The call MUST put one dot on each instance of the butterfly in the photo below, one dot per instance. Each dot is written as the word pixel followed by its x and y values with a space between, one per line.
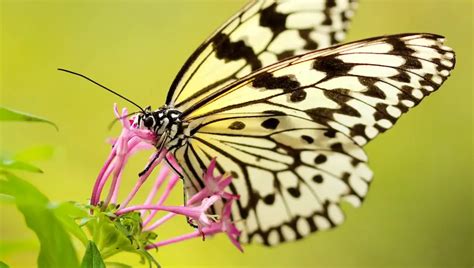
pixel 286 111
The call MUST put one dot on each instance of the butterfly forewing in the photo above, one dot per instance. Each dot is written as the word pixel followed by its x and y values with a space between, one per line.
pixel 291 133
pixel 359 89
pixel 262 33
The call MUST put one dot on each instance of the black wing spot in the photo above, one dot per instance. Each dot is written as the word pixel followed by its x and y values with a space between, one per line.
pixel 428 81
pixel 269 199
pixel 372 90
pixel 400 47
pixel 320 159
pixel 359 130
pixel 401 77
pixel 337 147
pixel 310 43
pixel 298 95
pixel 307 139
pixel 285 54
pixel 345 177
pixel 330 133
pixel 344 17
pixel 266 80
pixel 330 3
pixel 237 125
pixel 407 90
pixel 412 63
pixel 293 191
pixel 327 21
pixel 274 112
pixel 270 18
pixel 228 50
pixel 234 174
pixel 318 178
pixel 271 123
pixel 332 66
pixel 340 96
pixel 332 37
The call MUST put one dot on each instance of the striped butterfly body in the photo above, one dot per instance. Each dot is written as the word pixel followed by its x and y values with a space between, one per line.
pixel 287 114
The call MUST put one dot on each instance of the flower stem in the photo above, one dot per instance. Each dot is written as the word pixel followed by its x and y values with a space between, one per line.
pixel 164 172
pixel 156 158
pixel 160 221
pixel 176 209
pixel 116 178
pixel 95 197
pixel 172 182
pixel 197 197
pixel 197 233
pixel 125 150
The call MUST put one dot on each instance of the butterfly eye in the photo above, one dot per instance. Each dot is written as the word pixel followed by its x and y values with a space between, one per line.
pixel 149 122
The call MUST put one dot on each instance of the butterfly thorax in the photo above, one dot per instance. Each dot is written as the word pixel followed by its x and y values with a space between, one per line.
pixel 165 122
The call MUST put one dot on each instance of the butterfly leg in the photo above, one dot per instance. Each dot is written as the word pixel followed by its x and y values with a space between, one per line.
pixel 150 164
pixel 161 142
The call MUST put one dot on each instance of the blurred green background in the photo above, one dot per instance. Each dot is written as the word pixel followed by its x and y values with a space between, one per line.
pixel 419 212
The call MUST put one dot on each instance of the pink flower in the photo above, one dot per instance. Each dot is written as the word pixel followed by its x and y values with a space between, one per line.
pixel 130 141
pixel 224 224
pixel 134 139
pixel 197 213
pixel 214 185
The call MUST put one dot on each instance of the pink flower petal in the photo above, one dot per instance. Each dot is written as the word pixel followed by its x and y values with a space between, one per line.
pixel 134 139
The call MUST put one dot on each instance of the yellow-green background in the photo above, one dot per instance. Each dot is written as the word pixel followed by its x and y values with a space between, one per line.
pixel 419 211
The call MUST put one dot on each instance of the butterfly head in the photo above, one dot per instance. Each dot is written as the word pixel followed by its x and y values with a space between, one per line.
pixel 147 119
pixel 163 120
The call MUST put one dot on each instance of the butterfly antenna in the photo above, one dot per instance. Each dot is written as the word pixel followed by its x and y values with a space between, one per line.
pixel 102 86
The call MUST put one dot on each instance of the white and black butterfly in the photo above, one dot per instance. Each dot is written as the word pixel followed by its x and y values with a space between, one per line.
pixel 289 121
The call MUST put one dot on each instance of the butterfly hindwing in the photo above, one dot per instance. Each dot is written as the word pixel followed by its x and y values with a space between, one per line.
pixel 291 175
pixel 291 133
pixel 262 33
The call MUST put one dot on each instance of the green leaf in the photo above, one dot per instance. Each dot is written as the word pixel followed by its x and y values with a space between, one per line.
pixel 11 115
pixel 92 258
pixel 3 265
pixel 20 161
pixel 56 249
pixel 42 152
pixel 7 163
pixel 117 234
pixel 67 213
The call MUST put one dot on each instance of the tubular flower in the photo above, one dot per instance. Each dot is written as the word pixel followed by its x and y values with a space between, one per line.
pixel 135 225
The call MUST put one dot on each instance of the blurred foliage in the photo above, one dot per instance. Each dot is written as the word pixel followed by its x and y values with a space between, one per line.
pixel 50 222
pixel 10 115
pixel 56 247
pixel 67 211
pixel 11 163
pixel 20 161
